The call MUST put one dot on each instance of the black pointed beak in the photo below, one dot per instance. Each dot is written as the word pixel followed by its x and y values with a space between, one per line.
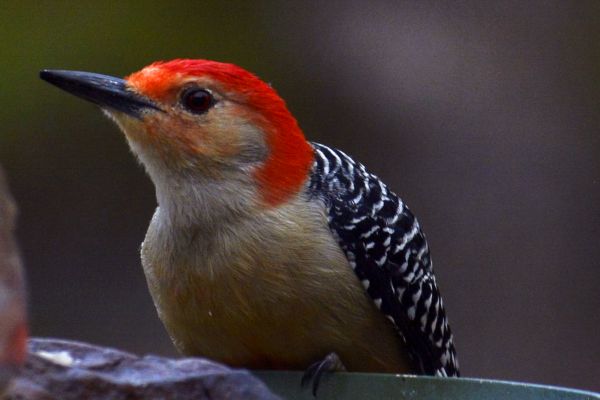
pixel 103 90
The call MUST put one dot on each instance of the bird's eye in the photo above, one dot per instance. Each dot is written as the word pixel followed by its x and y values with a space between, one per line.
pixel 197 101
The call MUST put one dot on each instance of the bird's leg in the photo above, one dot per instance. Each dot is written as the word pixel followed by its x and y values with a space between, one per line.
pixel 314 372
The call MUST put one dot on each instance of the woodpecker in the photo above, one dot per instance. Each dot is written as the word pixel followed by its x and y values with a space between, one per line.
pixel 266 250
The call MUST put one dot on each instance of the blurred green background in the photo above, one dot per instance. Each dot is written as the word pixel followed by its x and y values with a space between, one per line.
pixel 482 115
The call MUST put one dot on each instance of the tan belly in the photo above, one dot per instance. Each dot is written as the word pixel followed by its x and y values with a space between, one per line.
pixel 282 304
pixel 281 321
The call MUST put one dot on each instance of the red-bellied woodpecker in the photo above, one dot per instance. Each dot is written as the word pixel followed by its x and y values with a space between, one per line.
pixel 266 250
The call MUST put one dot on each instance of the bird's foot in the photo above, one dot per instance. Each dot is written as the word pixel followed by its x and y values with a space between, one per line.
pixel 313 374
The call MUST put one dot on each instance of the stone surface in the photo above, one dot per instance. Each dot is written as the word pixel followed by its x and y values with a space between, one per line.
pixel 60 369
pixel 13 326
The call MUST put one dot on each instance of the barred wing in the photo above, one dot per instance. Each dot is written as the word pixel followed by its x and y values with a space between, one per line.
pixel 389 254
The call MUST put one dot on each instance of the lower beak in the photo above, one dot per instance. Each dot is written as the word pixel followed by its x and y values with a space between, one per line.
pixel 103 90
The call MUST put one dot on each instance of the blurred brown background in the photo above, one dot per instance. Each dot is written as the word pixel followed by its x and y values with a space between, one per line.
pixel 484 116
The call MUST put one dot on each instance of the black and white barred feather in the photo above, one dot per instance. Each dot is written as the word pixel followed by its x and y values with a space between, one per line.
pixel 388 252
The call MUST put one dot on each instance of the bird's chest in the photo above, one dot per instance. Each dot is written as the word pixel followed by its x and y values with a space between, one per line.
pixel 225 292
pixel 202 281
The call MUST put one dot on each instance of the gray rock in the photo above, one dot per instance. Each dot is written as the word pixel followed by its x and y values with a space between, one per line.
pixel 61 369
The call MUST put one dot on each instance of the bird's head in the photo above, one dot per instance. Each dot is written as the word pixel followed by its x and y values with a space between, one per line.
pixel 204 122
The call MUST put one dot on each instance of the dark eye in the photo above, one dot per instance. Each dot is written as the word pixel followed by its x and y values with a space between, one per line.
pixel 197 100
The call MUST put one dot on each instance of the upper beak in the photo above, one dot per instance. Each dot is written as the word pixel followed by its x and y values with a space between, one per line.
pixel 104 90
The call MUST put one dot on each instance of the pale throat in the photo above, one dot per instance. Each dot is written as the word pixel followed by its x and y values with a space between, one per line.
pixel 189 198
pixel 192 193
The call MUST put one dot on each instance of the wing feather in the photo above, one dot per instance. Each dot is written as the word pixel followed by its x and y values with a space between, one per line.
pixel 388 251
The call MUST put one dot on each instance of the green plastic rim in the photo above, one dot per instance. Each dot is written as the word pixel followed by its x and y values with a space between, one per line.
pixel 349 386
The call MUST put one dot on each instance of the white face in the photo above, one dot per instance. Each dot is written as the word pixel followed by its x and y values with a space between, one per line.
pixel 199 128
pixel 198 161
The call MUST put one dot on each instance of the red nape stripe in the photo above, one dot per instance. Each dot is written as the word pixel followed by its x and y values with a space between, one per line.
pixel 286 170
pixel 291 156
